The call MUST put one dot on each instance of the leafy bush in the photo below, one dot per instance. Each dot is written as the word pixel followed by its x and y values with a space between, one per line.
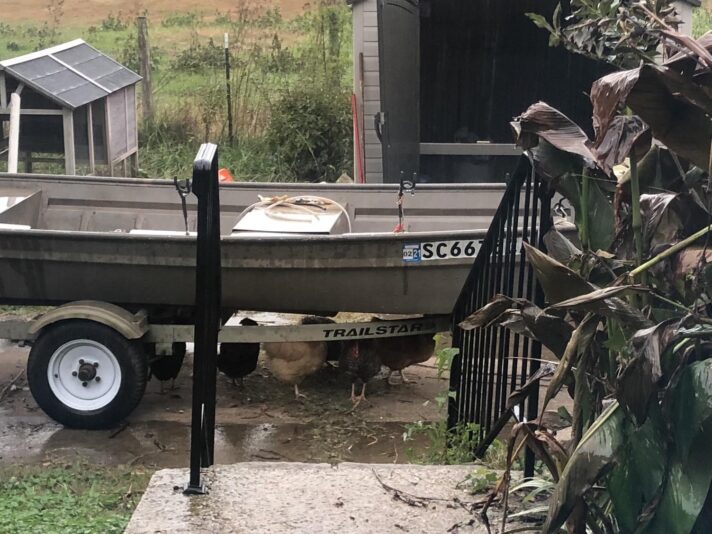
pixel 181 19
pixel 114 23
pixel 199 56
pixel 310 132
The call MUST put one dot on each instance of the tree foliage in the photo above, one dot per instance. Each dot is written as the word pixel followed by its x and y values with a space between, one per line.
pixel 632 300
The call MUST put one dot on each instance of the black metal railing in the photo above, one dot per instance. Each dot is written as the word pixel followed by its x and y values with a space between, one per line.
pixel 207 314
pixel 493 361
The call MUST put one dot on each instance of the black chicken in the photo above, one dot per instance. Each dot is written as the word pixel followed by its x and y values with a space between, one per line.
pixel 360 362
pixel 167 367
pixel 237 360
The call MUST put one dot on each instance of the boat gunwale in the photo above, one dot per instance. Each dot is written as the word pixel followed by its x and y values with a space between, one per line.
pixel 166 182
pixel 440 235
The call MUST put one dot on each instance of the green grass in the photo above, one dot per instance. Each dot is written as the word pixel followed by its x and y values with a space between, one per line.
pixel 701 21
pixel 271 56
pixel 72 499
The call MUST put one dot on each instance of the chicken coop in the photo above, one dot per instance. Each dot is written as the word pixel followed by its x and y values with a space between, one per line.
pixel 437 82
pixel 72 105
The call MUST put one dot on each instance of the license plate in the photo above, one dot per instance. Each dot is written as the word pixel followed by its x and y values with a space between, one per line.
pixel 449 250
pixel 440 250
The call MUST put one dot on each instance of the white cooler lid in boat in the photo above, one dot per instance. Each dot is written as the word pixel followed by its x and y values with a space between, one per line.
pixel 285 219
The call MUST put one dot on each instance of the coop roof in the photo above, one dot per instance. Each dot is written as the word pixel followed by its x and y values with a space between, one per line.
pixel 71 74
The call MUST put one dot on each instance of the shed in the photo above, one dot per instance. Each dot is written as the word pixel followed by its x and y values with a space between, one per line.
pixel 440 80
pixel 71 100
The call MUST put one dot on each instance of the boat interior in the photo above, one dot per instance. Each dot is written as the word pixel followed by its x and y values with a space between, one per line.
pixel 154 207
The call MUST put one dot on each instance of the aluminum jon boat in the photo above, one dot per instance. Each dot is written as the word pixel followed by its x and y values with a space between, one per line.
pixel 124 241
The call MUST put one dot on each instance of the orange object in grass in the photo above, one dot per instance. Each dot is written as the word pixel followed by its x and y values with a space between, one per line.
pixel 224 176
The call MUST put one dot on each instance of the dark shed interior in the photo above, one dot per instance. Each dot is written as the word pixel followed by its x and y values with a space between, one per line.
pixel 482 63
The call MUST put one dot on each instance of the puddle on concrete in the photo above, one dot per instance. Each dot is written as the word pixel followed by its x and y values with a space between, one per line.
pixel 166 444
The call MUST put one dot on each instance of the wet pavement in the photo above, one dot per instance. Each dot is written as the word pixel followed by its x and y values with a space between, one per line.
pixel 260 421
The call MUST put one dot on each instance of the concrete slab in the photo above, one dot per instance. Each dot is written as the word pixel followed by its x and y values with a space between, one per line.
pixel 313 498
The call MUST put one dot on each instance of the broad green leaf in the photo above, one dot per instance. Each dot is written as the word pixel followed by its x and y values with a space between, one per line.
pixel 686 490
pixel 601 218
pixel 690 407
pixel 636 478
pixel 690 472
pixel 591 460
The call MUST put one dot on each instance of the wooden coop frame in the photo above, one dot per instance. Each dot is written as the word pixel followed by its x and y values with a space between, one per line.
pixel 71 100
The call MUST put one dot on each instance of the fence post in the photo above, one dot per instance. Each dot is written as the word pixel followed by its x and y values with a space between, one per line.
pixel 207 314
pixel 144 54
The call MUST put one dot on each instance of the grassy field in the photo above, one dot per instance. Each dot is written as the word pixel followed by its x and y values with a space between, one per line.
pixel 276 47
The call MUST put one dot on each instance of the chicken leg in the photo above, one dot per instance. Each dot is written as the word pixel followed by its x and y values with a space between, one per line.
pixel 401 380
pixel 357 400
pixel 298 395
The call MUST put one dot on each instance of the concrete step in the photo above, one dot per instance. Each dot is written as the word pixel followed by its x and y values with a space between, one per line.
pixel 314 498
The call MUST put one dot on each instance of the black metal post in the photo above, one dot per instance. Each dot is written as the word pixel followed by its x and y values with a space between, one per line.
pixel 207 314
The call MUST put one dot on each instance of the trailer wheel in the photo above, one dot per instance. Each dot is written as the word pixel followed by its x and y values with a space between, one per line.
pixel 86 375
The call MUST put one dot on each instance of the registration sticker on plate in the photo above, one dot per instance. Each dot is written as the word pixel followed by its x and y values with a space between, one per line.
pixel 449 250
pixel 411 253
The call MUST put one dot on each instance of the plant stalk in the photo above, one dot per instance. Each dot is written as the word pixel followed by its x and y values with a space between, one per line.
pixel 585 193
pixel 670 252
pixel 637 223
pixel 635 208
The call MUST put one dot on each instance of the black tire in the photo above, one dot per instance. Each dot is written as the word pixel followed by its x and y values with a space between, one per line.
pixel 131 361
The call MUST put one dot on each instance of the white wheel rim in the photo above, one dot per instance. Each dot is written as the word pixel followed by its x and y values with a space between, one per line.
pixel 70 377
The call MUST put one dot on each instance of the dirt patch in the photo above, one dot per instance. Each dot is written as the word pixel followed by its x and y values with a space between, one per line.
pixel 80 12
pixel 259 421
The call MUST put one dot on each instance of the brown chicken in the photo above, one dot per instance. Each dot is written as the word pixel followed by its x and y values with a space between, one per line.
pixel 359 361
pixel 292 362
pixel 397 353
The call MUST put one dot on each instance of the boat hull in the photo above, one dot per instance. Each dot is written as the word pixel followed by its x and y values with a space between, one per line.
pixel 80 246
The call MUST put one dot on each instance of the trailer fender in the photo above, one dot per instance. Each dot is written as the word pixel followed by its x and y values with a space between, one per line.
pixel 129 325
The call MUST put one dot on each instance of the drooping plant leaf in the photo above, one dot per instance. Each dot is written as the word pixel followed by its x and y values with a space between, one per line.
pixel 527 320
pixel 543 121
pixel 562 150
pixel 625 135
pixel 606 302
pixel 675 107
pixel 559 247
pixel 590 301
pixel 668 217
pixel 579 342
pixel 589 462
pixel 657 170
pixel 640 379
pixel 488 313
pixel 550 330
pixel 558 281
